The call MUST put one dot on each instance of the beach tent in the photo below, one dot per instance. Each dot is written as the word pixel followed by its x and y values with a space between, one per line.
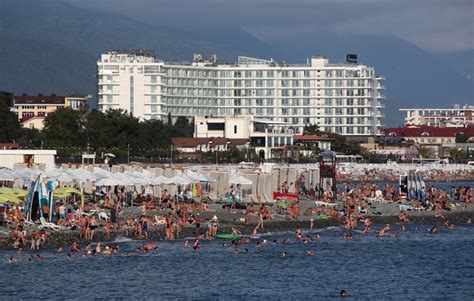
pixel 239 180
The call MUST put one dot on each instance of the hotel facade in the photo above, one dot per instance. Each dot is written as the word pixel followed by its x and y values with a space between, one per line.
pixel 340 98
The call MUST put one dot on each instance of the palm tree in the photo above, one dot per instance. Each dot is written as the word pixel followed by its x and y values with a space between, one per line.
pixel 423 151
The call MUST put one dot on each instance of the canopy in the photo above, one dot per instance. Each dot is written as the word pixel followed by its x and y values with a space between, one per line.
pixel 14 191
pixel 239 180
pixel 109 182
pixel 9 198
pixel 66 190
pixel 6 175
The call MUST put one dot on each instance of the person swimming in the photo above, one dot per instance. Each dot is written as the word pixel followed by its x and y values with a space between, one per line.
pixel 284 255
pixel 309 252
pixel 433 230
pixel 343 293
pixel 186 244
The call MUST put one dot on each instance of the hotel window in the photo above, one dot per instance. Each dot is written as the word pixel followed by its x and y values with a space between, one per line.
pixel 295 111
pixel 338 102
pixel 270 102
pixel 306 101
pixel 338 120
pixel 269 83
pixel 338 129
pixel 284 111
pixel 296 83
pixel 259 102
pixel 270 73
pixel 296 120
pixel 349 130
pixel 259 111
pixel 338 111
pixel 248 74
pixel 284 102
pixel 285 93
pixel 296 102
pixel 306 83
pixel 285 83
pixel 284 73
pixel 259 74
pixel 306 92
pixel 296 73
pixel 306 111
pixel 350 111
pixel 153 99
pixel 154 79
pixel 328 83
pixel 328 111
pixel 350 120
pixel 306 73
pixel 270 111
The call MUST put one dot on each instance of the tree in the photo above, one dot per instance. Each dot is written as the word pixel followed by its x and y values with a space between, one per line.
pixel 10 129
pixel 461 138
pixel 63 130
pixel 423 151
pixel 311 129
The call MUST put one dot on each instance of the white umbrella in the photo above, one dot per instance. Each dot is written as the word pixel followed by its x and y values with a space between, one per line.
pixel 109 182
pixel 100 173
pixel 237 179
pixel 65 178
pixel 6 175
pixel 180 180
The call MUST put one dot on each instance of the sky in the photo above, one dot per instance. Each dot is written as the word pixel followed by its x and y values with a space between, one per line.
pixel 433 25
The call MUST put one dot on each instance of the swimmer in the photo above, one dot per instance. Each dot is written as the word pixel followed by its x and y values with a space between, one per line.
pixel 38 256
pixel 343 294
pixel 186 244
pixel 286 241
pixel 347 236
pixel 236 251
pixel 245 251
pixel 318 236
pixel 258 244
pixel 284 255
pixel 298 233
pixel 68 256
pixel 274 241
pixel 30 258
pixel 107 251
pixel 139 250
pixel 129 254
pixel 97 248
pixel 433 230
pixel 307 239
pixel 149 246
pixel 469 221
pixel 309 252
pixel 12 259
pixel 449 225
pixel 197 245
pixel 74 248
pixel 20 250
pixel 59 250
pixel 402 227
pixel 311 224
pixel 224 244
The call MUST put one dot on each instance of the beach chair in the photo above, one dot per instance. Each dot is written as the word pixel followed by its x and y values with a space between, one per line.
pixel 103 215
pixel 158 221
pixel 52 226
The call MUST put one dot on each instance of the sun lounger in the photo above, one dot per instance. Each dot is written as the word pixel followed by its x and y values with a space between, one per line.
pixel 320 203
pixel 52 226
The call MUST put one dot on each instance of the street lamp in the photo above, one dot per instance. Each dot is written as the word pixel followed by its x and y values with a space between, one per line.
pixel 227 145
pixel 215 150
pixel 247 158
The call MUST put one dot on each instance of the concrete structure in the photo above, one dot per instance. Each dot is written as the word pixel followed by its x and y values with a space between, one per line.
pixel 311 145
pixel 15 158
pixel 455 117
pixel 33 109
pixel 438 140
pixel 341 98
pixel 269 138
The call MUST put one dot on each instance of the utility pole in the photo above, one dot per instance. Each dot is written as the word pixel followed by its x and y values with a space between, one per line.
pixel 128 153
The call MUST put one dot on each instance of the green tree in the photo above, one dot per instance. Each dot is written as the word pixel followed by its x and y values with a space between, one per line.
pixel 461 138
pixel 63 131
pixel 311 129
pixel 10 129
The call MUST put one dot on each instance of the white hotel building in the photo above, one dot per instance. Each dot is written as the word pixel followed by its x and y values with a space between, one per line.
pixel 341 98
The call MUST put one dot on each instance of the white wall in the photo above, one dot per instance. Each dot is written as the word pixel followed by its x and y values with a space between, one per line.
pixel 8 158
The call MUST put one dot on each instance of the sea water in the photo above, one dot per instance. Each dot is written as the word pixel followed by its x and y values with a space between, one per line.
pixel 417 265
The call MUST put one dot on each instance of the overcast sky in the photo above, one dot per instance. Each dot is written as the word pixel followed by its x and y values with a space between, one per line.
pixel 434 25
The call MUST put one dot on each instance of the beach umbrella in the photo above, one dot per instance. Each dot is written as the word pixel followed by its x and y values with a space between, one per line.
pixel 237 179
pixel 179 180
pixel 109 182
pixel 9 198
pixel 65 178
pixel 66 190
pixel 14 191
pixel 53 173
pixel 6 175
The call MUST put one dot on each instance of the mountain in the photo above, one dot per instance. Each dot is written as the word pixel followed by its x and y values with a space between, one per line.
pixel 73 38
pixel 51 46
pixel 31 66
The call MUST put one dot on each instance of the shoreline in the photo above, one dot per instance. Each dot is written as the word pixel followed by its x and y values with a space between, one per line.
pixel 65 238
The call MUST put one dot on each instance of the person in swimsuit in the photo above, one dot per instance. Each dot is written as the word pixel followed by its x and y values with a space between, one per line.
pixel 93 225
